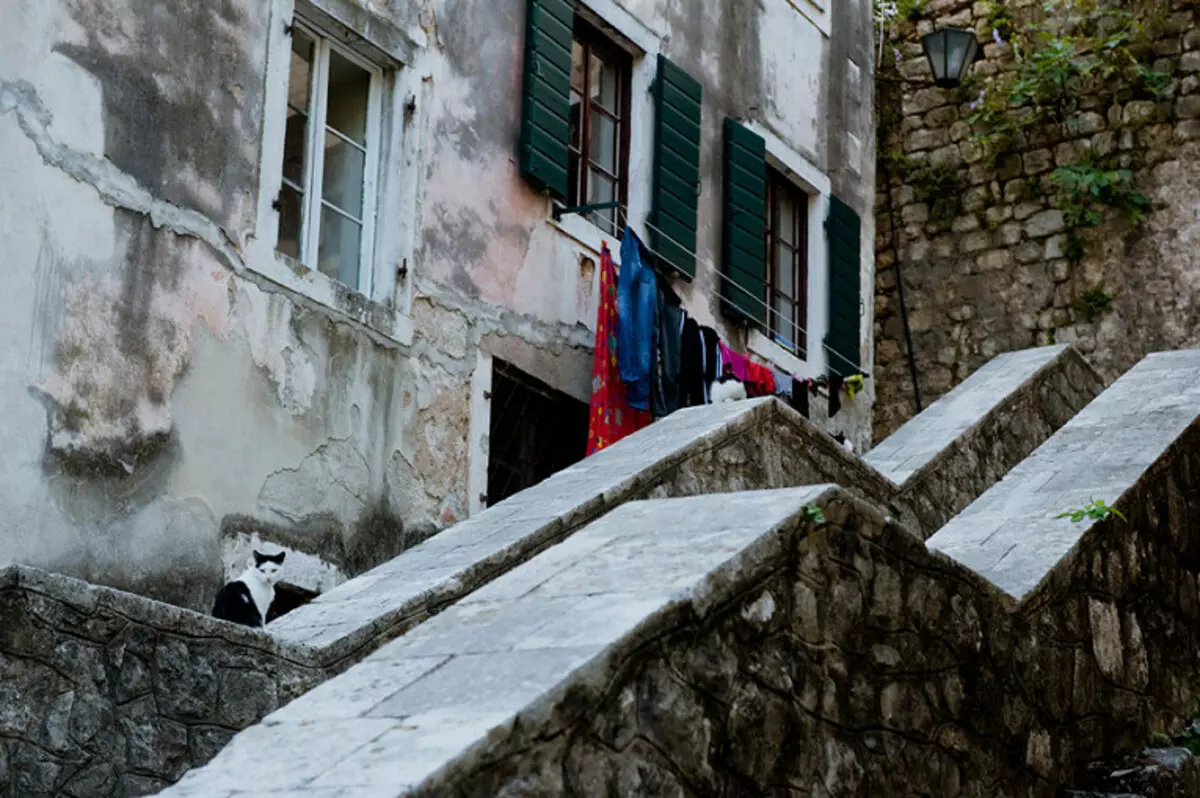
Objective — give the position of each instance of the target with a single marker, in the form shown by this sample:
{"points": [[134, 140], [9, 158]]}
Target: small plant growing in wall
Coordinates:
{"points": [[1092, 303], [941, 187], [1086, 190], [1097, 511], [812, 514]]}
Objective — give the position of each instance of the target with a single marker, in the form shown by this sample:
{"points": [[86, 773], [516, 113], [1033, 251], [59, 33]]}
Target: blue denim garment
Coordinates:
{"points": [[637, 303]]}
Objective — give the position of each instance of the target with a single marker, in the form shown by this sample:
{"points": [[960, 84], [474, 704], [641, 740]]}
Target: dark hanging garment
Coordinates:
{"points": [[800, 398], [712, 357], [691, 365], [664, 390], [835, 395]]}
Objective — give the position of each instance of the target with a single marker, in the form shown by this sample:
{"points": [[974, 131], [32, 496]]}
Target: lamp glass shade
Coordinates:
{"points": [[951, 52]]}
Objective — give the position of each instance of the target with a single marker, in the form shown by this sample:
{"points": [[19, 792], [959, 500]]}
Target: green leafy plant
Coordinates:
{"points": [[999, 18], [1092, 303], [1087, 189], [910, 9], [812, 514], [1097, 511]]}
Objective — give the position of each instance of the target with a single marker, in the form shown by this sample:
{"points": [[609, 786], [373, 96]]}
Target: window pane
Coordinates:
{"points": [[349, 89], [300, 71], [784, 264], [784, 320], [574, 183], [295, 145], [604, 142], [604, 84], [576, 120], [343, 182], [787, 218], [602, 189], [291, 215], [341, 242], [577, 66]]}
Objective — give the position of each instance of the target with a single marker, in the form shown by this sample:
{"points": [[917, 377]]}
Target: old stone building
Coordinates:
{"points": [[1050, 198], [283, 270]]}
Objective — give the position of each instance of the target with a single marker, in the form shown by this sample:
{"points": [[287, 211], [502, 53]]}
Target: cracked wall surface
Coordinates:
{"points": [[162, 394]]}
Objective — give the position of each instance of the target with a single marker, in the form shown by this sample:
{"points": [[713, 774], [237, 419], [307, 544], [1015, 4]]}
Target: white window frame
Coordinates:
{"points": [[315, 205]]}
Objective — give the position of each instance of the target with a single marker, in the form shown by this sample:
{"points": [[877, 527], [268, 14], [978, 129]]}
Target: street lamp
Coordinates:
{"points": [[951, 52]]}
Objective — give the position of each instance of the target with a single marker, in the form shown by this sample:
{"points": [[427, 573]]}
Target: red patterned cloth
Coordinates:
{"points": [[611, 419]]}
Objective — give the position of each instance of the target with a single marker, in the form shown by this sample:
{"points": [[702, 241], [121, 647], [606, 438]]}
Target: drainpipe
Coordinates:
{"points": [[912, 361]]}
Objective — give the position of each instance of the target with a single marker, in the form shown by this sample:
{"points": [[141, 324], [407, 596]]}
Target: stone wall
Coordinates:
{"points": [[997, 270], [104, 693]]}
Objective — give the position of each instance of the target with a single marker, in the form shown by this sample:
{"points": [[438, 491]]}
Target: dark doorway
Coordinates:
{"points": [[536, 431]]}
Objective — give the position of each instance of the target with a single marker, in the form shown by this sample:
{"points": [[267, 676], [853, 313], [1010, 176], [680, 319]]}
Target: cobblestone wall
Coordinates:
{"points": [[984, 250], [104, 693]]}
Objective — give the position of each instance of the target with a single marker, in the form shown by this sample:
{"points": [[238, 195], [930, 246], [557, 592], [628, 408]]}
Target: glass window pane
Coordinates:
{"points": [[341, 243], [577, 66], [785, 321], [295, 147], [604, 142], [349, 90], [575, 116], [300, 71], [784, 263], [604, 84], [787, 218], [602, 189], [343, 181], [291, 217]]}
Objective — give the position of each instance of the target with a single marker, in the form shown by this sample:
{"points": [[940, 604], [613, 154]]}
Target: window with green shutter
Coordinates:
{"points": [[745, 212], [844, 232], [545, 126], [676, 190]]}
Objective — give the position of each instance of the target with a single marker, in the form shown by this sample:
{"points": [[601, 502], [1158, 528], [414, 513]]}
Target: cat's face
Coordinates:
{"points": [[269, 566]]}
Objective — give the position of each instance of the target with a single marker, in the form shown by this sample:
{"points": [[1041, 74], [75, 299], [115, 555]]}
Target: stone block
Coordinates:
{"points": [[1044, 224]]}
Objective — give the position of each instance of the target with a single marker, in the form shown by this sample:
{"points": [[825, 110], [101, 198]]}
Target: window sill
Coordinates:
{"points": [[782, 359], [335, 297], [589, 235]]}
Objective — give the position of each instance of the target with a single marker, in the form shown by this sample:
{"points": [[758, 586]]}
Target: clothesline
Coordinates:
{"points": [[755, 298]]}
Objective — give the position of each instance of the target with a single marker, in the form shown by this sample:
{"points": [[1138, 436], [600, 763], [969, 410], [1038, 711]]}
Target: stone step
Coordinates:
{"points": [[727, 644], [751, 445], [1011, 534]]}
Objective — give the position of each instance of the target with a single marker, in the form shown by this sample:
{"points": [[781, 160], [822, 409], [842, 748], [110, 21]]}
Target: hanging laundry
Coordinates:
{"points": [[610, 417], [783, 385], [713, 364], [636, 306], [760, 380], [835, 395], [854, 384], [664, 390], [800, 391], [693, 390], [733, 363]]}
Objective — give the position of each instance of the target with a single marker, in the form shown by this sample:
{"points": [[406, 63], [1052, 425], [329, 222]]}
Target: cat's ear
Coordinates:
{"points": [[260, 558], [277, 558]]}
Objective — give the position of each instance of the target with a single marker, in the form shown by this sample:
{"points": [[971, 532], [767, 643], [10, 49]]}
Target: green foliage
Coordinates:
{"points": [[999, 18], [887, 10], [812, 514], [1097, 511], [1190, 739], [941, 187], [1092, 303], [1086, 190]]}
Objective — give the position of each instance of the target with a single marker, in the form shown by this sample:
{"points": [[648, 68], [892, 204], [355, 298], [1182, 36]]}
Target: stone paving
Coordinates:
{"points": [[1010, 534], [429, 698]]}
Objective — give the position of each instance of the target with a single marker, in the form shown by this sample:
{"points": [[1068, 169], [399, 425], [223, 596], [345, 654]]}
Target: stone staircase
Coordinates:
{"points": [[540, 602]]}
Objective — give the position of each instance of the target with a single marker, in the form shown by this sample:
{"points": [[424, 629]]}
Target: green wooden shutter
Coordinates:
{"points": [[545, 123], [676, 192], [745, 224], [844, 232]]}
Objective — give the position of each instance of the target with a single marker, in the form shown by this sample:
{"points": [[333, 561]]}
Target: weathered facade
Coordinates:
{"points": [[174, 384], [983, 236]]}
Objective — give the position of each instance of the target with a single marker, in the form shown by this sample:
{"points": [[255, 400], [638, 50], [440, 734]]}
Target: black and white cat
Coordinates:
{"points": [[246, 599]]}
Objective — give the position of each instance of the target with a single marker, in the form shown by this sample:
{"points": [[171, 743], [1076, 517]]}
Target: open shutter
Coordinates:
{"points": [[676, 194], [844, 231], [545, 114], [745, 212]]}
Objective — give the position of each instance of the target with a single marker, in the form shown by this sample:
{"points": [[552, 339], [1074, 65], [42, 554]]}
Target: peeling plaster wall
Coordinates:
{"points": [[162, 396]]}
